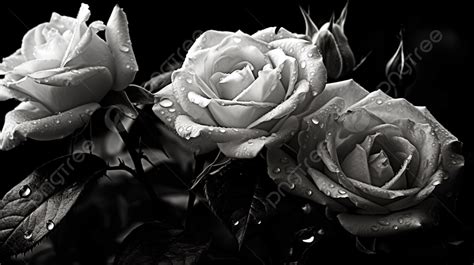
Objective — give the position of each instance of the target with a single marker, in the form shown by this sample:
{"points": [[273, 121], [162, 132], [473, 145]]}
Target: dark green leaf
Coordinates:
{"points": [[156, 243], [139, 95], [35, 206], [238, 195], [158, 82]]}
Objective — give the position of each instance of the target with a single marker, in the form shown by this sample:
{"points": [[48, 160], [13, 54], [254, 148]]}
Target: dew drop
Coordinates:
{"points": [[259, 222], [309, 192], [28, 235], [331, 185], [25, 191], [321, 232], [277, 170], [383, 222], [308, 240], [236, 223], [315, 121], [291, 50], [292, 186], [379, 101], [124, 48], [342, 192], [375, 228], [172, 110], [57, 121], [314, 93], [46, 126], [400, 220], [35, 122], [395, 227], [50, 225], [189, 80], [69, 121], [166, 103], [303, 64], [237, 40], [436, 182], [222, 130], [310, 54], [306, 208]]}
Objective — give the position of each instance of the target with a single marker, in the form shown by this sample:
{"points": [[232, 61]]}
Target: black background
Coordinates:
{"points": [[163, 30]]}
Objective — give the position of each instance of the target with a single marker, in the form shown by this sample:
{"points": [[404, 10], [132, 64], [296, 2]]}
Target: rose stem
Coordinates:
{"points": [[136, 158]]}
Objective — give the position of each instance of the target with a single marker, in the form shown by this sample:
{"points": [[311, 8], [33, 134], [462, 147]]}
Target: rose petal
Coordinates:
{"points": [[289, 69], [311, 66], [188, 129], [355, 165], [250, 148], [11, 62], [428, 146], [54, 47], [69, 89], [268, 35], [8, 93], [288, 177], [380, 169], [438, 177], [223, 57], [62, 23], [118, 39], [230, 85], [377, 194], [385, 225], [185, 82], [32, 38], [209, 39], [312, 132], [451, 158], [36, 65], [369, 142], [399, 181], [32, 121], [348, 90], [82, 17], [336, 191], [91, 51], [285, 108], [237, 114], [267, 88], [169, 109]]}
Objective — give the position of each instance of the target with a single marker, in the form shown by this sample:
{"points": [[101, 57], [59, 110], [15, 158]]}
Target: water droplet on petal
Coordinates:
{"points": [[124, 48], [69, 121], [50, 225], [189, 80], [395, 227], [342, 192], [236, 223], [28, 234], [277, 170], [331, 185], [222, 130], [375, 228], [383, 222], [308, 240], [237, 40], [303, 64], [314, 93], [379, 101], [25, 191], [315, 121], [166, 103], [309, 192], [310, 54], [292, 186], [321, 232], [400, 220], [58, 121], [259, 222], [172, 110]]}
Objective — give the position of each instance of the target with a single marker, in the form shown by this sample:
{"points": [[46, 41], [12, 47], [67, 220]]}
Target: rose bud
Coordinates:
{"points": [[332, 43], [372, 159], [241, 92], [61, 73]]}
